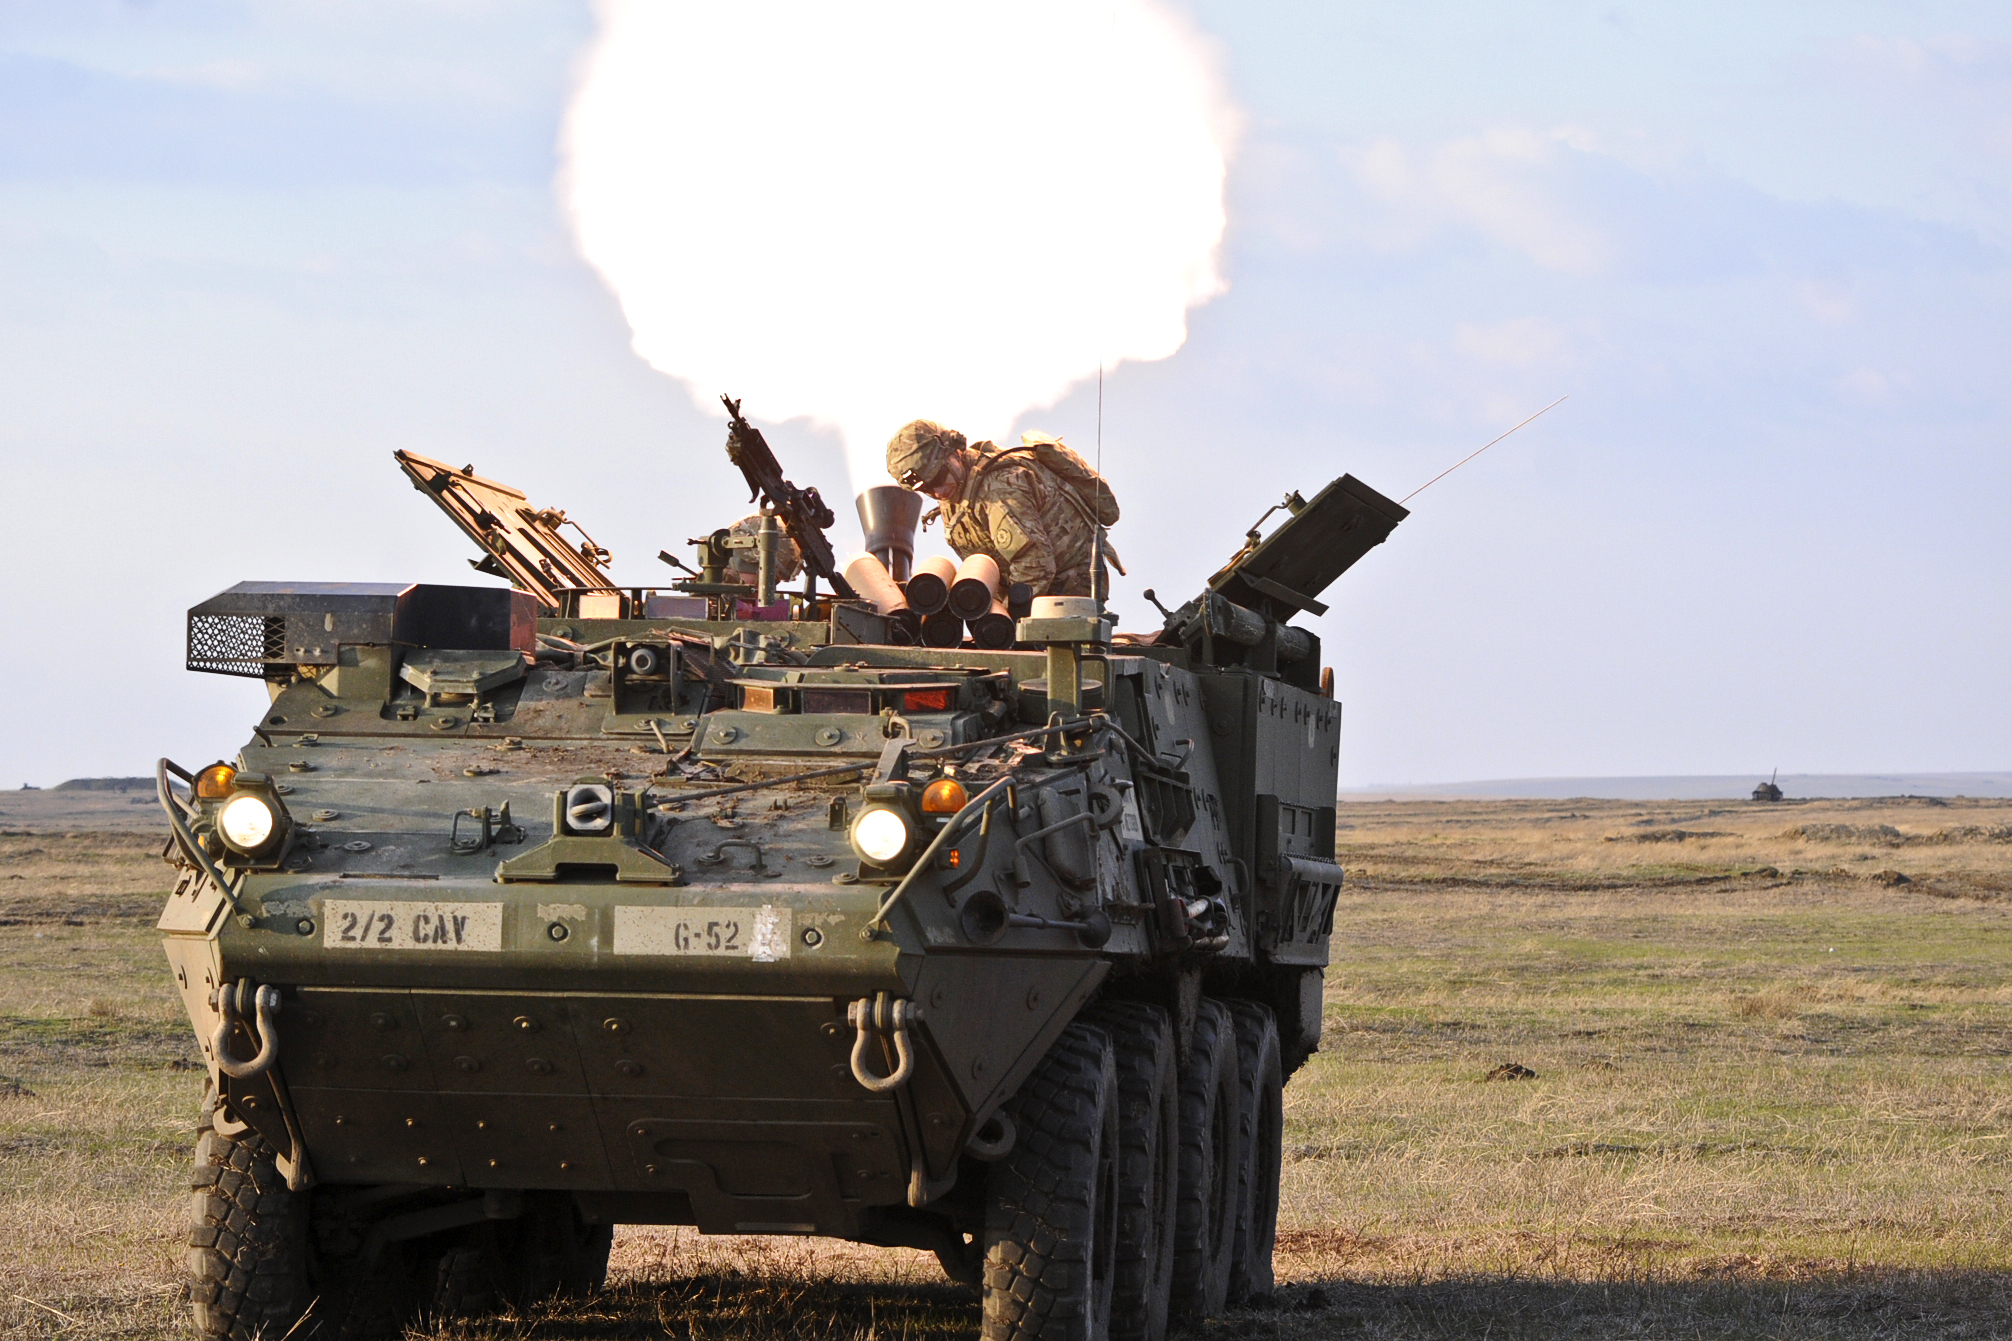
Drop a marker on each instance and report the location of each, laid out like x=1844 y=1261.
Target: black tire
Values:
x=467 y=1278
x=1261 y=1128
x=1149 y=1172
x=1050 y=1232
x=248 y=1240
x=964 y=1264
x=1205 y=1213
x=255 y=1261
x=546 y=1251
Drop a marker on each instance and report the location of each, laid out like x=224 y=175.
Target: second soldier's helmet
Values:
x=745 y=563
x=916 y=454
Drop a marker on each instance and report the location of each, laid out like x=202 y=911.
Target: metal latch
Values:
x=496 y=827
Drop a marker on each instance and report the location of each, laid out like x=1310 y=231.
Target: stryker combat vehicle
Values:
x=531 y=911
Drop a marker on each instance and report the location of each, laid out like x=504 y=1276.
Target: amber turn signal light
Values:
x=945 y=796
x=214 y=782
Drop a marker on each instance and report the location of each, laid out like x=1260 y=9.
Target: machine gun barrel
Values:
x=803 y=513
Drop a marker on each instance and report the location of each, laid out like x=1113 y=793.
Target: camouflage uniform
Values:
x=1028 y=519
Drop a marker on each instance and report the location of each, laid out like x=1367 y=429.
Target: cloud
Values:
x=1520 y=343
x=1505 y=183
x=1829 y=302
x=1935 y=58
x=1569 y=203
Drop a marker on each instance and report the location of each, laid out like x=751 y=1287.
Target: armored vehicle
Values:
x=530 y=911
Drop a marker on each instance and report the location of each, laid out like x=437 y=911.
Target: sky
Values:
x=247 y=250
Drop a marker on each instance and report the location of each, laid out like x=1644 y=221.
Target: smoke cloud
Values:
x=862 y=214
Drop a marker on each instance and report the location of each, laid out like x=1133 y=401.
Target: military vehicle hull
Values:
x=754 y=927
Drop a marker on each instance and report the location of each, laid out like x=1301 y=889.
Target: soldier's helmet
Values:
x=916 y=454
x=745 y=562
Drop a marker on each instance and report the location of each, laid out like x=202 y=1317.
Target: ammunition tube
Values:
x=929 y=589
x=868 y=576
x=976 y=589
x=994 y=629
x=942 y=629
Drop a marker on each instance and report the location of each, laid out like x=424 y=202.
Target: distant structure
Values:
x=1767 y=791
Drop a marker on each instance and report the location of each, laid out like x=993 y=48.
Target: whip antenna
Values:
x=1476 y=452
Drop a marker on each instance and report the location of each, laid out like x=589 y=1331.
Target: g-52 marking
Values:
x=760 y=934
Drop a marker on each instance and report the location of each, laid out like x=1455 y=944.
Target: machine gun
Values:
x=802 y=512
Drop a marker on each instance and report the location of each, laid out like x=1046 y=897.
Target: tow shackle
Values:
x=231 y=1007
x=889 y=1016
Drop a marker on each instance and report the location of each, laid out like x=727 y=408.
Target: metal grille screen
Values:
x=236 y=644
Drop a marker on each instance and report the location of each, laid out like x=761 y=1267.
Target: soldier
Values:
x=1024 y=506
x=744 y=565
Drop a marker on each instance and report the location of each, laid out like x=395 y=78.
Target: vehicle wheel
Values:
x=1260 y=1092
x=1149 y=1182
x=467 y=1278
x=964 y=1264
x=248 y=1240
x=546 y=1251
x=1050 y=1236
x=1205 y=1213
x=557 y=1253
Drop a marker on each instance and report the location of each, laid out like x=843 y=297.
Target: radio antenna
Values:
x=1476 y=452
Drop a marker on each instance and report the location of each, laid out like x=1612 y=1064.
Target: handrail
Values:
x=928 y=857
x=941 y=751
x=185 y=840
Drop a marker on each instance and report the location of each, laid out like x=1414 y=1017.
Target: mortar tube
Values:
x=887 y=517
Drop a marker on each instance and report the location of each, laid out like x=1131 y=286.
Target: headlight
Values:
x=247 y=823
x=880 y=835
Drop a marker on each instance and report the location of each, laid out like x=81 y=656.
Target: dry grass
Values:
x=1766 y=1103
x=1950 y=847
x=53 y=878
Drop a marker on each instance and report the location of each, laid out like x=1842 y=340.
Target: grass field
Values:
x=1771 y=1094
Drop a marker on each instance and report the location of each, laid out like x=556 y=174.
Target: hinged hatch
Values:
x=519 y=542
x=1287 y=571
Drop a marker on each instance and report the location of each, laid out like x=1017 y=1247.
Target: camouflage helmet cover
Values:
x=745 y=563
x=917 y=453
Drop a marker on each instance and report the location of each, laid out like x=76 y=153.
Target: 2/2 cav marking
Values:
x=360 y=924
x=428 y=928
